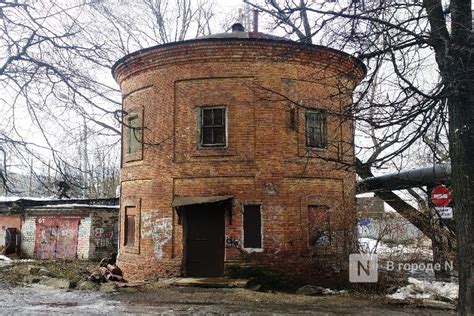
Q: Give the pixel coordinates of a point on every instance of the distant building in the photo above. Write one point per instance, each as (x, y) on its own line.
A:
(235, 153)
(374, 223)
(67, 229)
(370, 206)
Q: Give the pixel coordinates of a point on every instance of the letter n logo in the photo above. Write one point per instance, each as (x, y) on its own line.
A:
(363, 268)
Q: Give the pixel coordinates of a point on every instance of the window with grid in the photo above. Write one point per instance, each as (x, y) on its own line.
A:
(316, 128)
(213, 127)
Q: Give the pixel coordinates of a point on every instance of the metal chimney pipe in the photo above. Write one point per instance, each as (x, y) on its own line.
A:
(255, 21)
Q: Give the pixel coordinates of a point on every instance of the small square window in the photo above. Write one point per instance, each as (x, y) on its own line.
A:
(213, 127)
(134, 137)
(316, 128)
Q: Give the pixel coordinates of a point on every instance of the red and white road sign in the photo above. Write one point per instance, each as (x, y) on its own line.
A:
(440, 195)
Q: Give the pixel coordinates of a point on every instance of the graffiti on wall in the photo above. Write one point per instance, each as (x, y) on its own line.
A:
(231, 242)
(103, 237)
(387, 228)
(319, 228)
(160, 230)
(56, 237)
(275, 241)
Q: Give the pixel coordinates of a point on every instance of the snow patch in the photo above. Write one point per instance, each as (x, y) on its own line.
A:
(14, 198)
(76, 205)
(5, 258)
(386, 251)
(435, 290)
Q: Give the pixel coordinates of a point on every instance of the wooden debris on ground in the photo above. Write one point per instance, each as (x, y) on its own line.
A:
(107, 271)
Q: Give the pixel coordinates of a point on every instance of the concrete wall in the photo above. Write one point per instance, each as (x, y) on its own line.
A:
(28, 231)
(83, 241)
(104, 234)
(388, 228)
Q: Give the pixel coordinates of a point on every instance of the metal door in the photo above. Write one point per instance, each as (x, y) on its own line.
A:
(204, 241)
(56, 238)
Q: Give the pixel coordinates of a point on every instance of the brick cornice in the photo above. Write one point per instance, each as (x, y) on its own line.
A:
(238, 50)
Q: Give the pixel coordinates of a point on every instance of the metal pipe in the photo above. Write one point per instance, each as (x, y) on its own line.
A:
(436, 174)
(255, 21)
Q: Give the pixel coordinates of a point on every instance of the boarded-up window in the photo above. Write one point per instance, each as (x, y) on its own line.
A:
(130, 226)
(316, 129)
(213, 127)
(134, 137)
(319, 230)
(252, 226)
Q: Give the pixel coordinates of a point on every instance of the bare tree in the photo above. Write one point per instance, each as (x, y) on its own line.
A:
(423, 49)
(132, 26)
(47, 71)
(55, 60)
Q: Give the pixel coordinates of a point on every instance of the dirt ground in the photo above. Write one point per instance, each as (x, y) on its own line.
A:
(230, 301)
(162, 298)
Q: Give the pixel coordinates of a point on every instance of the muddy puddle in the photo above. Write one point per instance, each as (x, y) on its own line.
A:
(40, 300)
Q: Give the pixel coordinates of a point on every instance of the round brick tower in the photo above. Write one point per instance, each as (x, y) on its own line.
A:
(237, 152)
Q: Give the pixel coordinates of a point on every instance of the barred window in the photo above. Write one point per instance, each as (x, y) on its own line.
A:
(316, 128)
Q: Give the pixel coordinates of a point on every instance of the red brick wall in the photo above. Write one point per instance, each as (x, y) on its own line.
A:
(10, 222)
(262, 83)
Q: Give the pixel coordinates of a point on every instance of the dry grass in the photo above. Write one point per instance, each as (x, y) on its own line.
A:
(74, 271)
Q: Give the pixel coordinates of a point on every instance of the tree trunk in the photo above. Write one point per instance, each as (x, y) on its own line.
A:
(444, 252)
(461, 112)
(456, 65)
